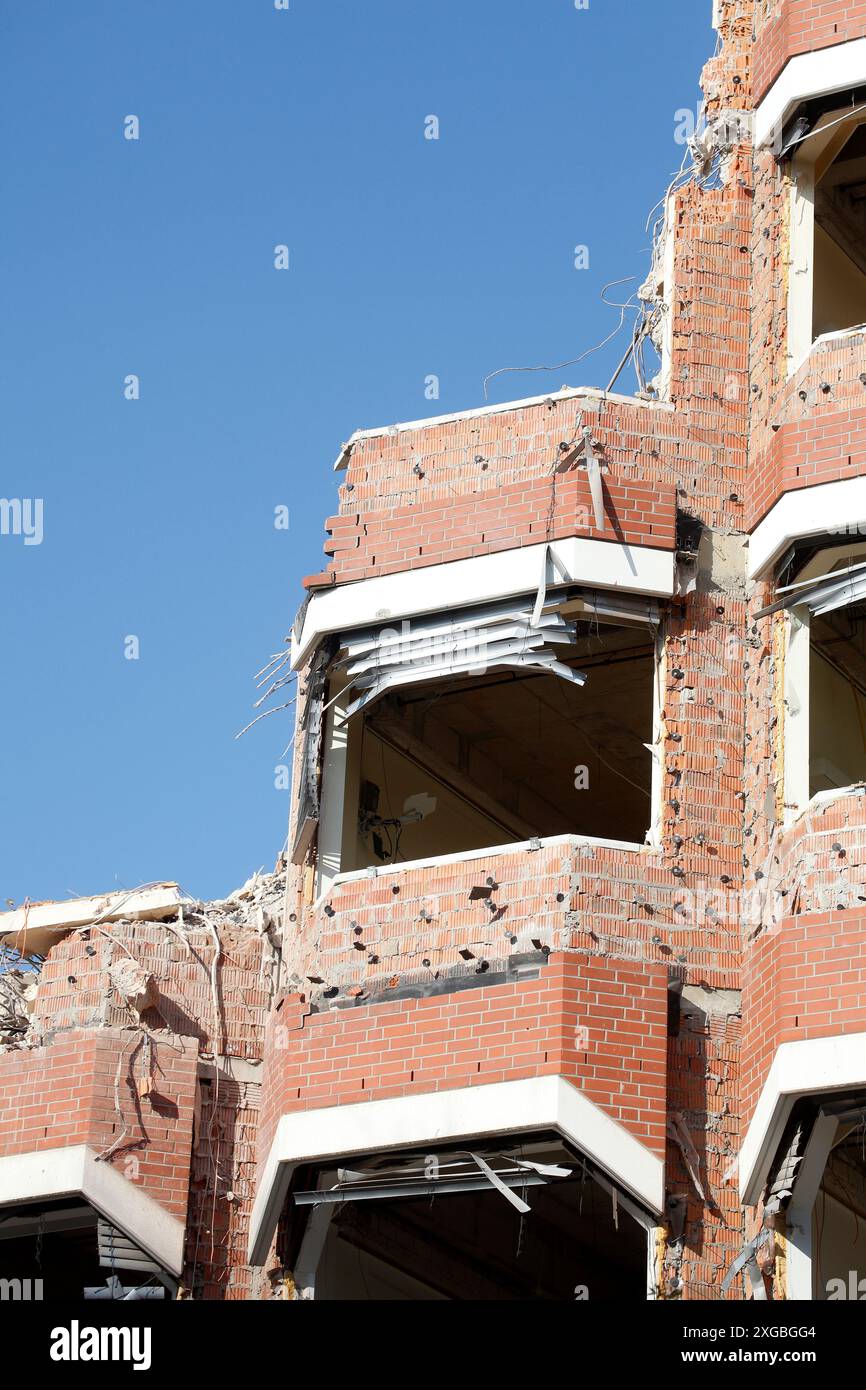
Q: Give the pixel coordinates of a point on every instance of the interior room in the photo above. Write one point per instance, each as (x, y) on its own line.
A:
(64, 1249)
(500, 756)
(837, 699)
(839, 283)
(533, 1221)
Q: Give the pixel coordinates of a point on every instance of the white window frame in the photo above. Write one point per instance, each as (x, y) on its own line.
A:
(796, 757)
(799, 1217)
(340, 787)
(796, 695)
(810, 162)
(797, 760)
(812, 1068)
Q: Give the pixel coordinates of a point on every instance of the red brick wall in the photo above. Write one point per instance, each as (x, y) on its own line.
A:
(392, 520)
(726, 79)
(818, 863)
(801, 434)
(479, 1036)
(541, 509)
(655, 911)
(803, 979)
(827, 446)
(446, 491)
(75, 991)
(801, 26)
(62, 1095)
(778, 401)
(75, 988)
(466, 467)
(569, 895)
(222, 1190)
(761, 1020)
(703, 1085)
(696, 449)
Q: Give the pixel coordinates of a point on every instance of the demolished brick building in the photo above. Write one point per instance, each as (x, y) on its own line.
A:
(559, 989)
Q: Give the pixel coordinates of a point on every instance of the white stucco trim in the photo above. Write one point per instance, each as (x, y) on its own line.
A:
(798, 663)
(482, 579)
(471, 1112)
(806, 76)
(811, 1067)
(798, 1218)
(51, 1173)
(335, 772)
(838, 508)
(801, 258)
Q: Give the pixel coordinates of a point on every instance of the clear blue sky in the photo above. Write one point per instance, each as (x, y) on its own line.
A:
(408, 257)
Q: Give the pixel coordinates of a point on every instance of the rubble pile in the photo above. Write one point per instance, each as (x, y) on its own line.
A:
(17, 992)
(255, 909)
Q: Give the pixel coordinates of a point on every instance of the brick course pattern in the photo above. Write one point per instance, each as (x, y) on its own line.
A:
(824, 445)
(733, 897)
(476, 1037)
(64, 1095)
(571, 896)
(703, 1086)
(75, 988)
(805, 979)
(75, 994)
(786, 28)
(364, 545)
(676, 909)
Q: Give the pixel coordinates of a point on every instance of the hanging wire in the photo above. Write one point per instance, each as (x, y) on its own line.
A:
(689, 170)
(559, 366)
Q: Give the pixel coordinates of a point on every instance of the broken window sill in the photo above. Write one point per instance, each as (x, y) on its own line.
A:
(822, 342)
(487, 852)
(824, 798)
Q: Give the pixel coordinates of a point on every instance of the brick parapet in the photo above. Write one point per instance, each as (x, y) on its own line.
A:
(63, 1095)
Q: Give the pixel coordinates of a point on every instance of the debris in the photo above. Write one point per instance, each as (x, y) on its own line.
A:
(17, 993)
(34, 928)
(678, 1132)
(748, 1260)
(500, 1186)
(135, 985)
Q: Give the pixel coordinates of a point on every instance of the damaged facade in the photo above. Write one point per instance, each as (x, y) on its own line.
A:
(559, 990)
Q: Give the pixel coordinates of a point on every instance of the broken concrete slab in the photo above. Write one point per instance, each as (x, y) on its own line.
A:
(34, 928)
